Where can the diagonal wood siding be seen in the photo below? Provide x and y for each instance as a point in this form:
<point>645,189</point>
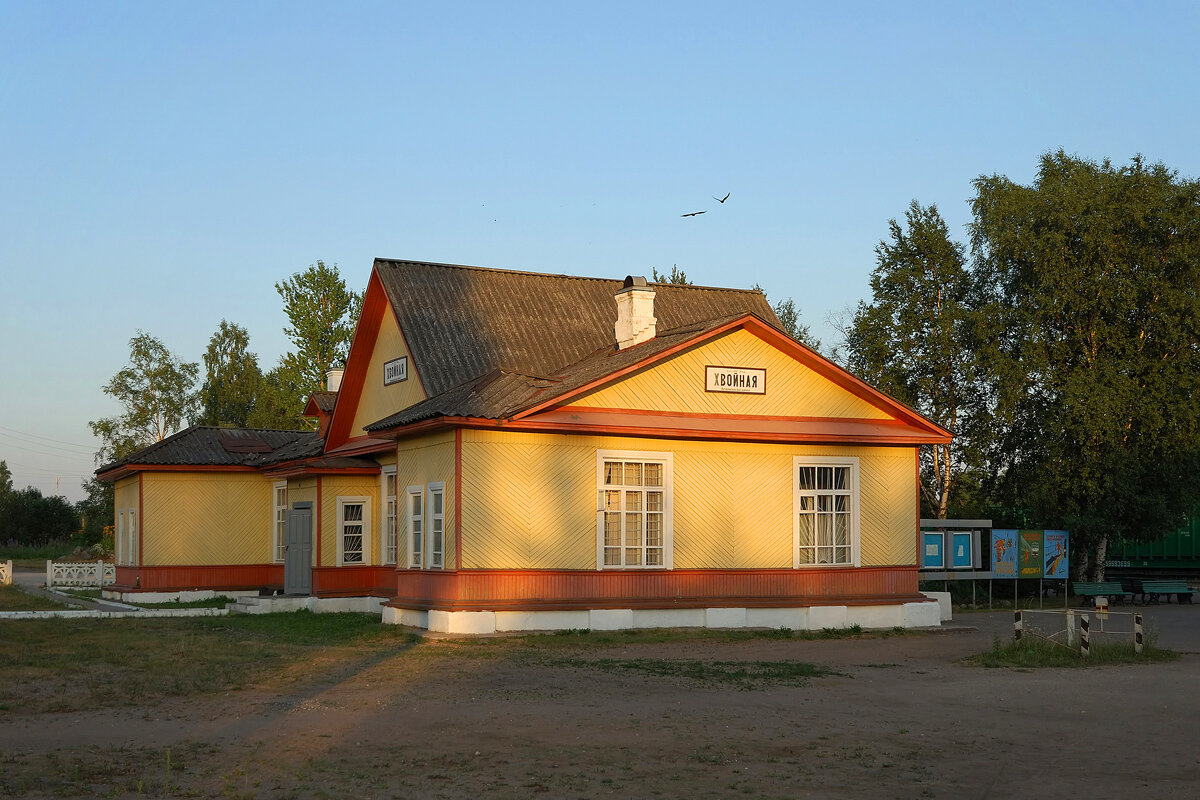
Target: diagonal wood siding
<point>419,462</point>
<point>206,518</point>
<point>529,501</point>
<point>378,401</point>
<point>677,384</point>
<point>333,487</point>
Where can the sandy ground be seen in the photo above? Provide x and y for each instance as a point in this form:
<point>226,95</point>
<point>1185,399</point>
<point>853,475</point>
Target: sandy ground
<point>903,718</point>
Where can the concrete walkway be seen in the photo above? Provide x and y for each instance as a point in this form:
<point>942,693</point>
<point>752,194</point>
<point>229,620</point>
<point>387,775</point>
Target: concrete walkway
<point>33,581</point>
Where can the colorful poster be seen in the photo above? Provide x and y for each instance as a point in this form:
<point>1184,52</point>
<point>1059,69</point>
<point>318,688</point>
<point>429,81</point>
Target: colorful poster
<point>1056,553</point>
<point>1004,553</point>
<point>1029,545</point>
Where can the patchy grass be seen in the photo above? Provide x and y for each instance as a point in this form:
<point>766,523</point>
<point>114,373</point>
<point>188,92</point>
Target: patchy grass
<point>212,602</point>
<point>34,557</point>
<point>582,637</point>
<point>739,674</point>
<point>1032,652</point>
<point>12,598</point>
<point>66,665</point>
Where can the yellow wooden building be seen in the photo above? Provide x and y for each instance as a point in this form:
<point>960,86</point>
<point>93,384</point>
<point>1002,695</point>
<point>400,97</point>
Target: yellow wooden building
<point>519,451</point>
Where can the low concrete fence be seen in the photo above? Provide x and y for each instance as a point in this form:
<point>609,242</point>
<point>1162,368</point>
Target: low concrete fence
<point>5,573</point>
<point>79,573</point>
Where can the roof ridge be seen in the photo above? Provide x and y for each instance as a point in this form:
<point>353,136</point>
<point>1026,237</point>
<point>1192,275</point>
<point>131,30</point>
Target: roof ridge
<point>559,275</point>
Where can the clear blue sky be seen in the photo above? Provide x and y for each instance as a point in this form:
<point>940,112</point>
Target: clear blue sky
<point>162,165</point>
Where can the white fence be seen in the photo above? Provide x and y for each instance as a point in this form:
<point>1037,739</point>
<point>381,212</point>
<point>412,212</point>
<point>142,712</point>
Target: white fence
<point>79,573</point>
<point>5,573</point>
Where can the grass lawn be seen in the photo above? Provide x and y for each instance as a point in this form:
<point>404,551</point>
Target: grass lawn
<point>1033,652</point>
<point>13,599</point>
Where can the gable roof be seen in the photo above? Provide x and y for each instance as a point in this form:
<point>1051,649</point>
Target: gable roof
<point>206,446</point>
<point>536,402</point>
<point>462,323</point>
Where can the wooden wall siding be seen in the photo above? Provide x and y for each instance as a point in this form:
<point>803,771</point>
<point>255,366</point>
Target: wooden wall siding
<point>125,497</point>
<point>214,576</point>
<point>378,401</point>
<point>529,501</point>
<point>677,384</point>
<point>420,462</point>
<point>206,518</point>
<point>353,581</point>
<point>562,589</point>
<point>333,487</point>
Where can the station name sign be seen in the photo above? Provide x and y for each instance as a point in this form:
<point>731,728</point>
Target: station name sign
<point>737,380</point>
<point>395,371</point>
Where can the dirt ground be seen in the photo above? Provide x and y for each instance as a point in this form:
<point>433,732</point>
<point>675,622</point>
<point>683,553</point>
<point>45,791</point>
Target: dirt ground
<point>901,718</point>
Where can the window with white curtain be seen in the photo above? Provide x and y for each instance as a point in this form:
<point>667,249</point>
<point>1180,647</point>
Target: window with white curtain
<point>825,511</point>
<point>634,514</point>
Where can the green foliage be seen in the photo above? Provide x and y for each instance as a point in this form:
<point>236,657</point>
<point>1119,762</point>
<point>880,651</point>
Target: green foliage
<point>157,394</point>
<point>232,378</point>
<point>1032,652</point>
<point>5,480</point>
<point>914,341</point>
<point>96,512</point>
<point>1089,321</point>
<point>322,314</point>
<point>29,518</point>
<point>279,403</point>
<point>677,276</point>
<point>789,317</point>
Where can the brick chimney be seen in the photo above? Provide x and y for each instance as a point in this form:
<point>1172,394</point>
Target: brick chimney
<point>635,313</point>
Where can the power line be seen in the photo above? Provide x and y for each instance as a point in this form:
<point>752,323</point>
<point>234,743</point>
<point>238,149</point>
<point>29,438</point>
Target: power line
<point>46,438</point>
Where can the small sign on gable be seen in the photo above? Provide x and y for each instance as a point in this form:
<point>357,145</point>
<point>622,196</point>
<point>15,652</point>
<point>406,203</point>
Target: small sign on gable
<point>395,371</point>
<point>737,380</point>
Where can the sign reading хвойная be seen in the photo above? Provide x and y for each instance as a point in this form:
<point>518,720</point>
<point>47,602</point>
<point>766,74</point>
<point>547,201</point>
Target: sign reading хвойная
<point>738,380</point>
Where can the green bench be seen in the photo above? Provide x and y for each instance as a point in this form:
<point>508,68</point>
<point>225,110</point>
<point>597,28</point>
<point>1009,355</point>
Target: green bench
<point>1155,589</point>
<point>1094,589</point>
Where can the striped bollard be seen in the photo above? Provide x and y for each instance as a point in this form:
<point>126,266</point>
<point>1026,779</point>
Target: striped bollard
<point>1070,627</point>
<point>1085,635</point>
<point>1138,642</point>
<point>1018,625</point>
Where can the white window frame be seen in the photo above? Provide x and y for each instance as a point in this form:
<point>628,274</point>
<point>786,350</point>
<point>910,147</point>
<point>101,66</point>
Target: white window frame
<point>415,540</point>
<point>131,528</point>
<point>435,525</point>
<point>667,459</point>
<point>365,524</point>
<point>852,493</point>
<point>278,521</point>
<point>389,530</point>
<point>121,545</point>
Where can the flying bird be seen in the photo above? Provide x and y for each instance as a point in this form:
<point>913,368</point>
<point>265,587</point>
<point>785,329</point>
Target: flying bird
<point>694,214</point>
<point>722,200</point>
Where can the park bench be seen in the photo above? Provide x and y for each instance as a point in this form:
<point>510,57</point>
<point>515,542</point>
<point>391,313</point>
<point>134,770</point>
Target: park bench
<point>1155,589</point>
<point>1094,589</point>
<point>1134,587</point>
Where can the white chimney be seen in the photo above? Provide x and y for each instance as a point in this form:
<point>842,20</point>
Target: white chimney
<point>333,380</point>
<point>635,313</point>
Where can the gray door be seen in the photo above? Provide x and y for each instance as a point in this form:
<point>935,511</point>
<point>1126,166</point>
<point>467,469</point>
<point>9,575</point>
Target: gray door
<point>297,557</point>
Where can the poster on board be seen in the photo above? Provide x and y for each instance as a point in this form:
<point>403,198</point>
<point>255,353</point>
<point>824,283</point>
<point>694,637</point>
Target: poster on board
<point>1056,549</point>
<point>1029,546</point>
<point>1004,553</point>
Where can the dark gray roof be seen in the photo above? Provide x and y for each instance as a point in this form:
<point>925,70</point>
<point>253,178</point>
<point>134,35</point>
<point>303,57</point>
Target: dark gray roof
<point>324,400</point>
<point>202,445</point>
<point>502,393</point>
<point>462,323</point>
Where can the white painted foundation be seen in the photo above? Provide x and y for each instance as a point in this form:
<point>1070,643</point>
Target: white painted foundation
<point>907,615</point>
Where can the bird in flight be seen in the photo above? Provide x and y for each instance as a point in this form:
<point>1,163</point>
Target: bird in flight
<point>694,214</point>
<point>722,200</point>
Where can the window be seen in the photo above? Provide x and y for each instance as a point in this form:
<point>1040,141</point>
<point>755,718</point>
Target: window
<point>416,526</point>
<point>825,510</point>
<point>388,535</point>
<point>131,530</point>
<point>354,524</point>
<point>121,545</point>
<point>634,525</point>
<point>279,523</point>
<point>437,525</point>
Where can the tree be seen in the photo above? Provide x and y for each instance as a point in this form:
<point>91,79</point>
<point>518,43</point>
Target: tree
<point>913,339</point>
<point>157,393</point>
<point>96,511</point>
<point>322,313</point>
<point>789,317</point>
<point>5,480</point>
<point>30,519</point>
<point>232,377</point>
<point>277,404</point>
<point>677,276</point>
<point>1089,293</point>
